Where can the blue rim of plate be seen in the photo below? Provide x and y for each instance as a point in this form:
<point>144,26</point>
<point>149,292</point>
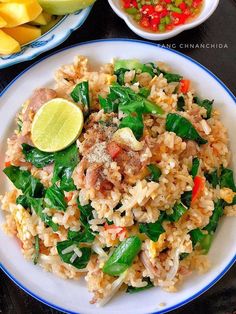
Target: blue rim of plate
<point>22,58</point>
<point>230,264</point>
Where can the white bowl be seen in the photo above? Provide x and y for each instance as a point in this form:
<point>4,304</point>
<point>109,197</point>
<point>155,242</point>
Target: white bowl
<point>208,8</point>
<point>72,296</point>
<point>54,37</point>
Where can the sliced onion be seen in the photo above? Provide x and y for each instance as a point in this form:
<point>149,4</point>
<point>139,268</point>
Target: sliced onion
<point>115,286</point>
<point>97,249</point>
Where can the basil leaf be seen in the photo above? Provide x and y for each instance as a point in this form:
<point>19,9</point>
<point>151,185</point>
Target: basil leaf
<point>144,92</point>
<point>155,173</point>
<point>227,179</point>
<point>55,198</point>
<point>85,213</point>
<point>37,157</point>
<point>171,77</point>
<point>36,247</point>
<point>84,236</point>
<point>65,162</point>
<point>107,105</point>
<point>135,123</point>
<point>178,211</point>
<point>37,206</point>
<point>180,103</point>
<point>131,289</point>
<point>153,230</point>
<point>23,201</point>
<point>79,262</point>
<point>186,198</point>
<point>214,219</point>
<point>123,256</point>
<point>195,167</point>
<point>120,73</point>
<point>212,178</point>
<point>207,104</point>
<point>81,94</point>
<point>24,181</point>
<point>183,128</point>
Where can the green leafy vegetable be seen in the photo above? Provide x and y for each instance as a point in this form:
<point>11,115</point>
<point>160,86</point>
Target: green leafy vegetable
<point>196,236</point>
<point>36,247</point>
<point>129,64</point>
<point>227,179</point>
<point>81,94</point>
<point>214,219</point>
<point>183,128</point>
<point>204,240</point>
<point>135,123</point>
<point>207,104</point>
<point>55,198</point>
<point>23,201</point>
<point>178,210</point>
<point>153,230</point>
<point>24,181</point>
<point>37,206</point>
<point>195,167</point>
<point>79,262</point>
<point>155,173</point>
<point>84,236</point>
<point>186,198</point>
<point>131,289</point>
<point>65,162</point>
<point>123,256</point>
<point>108,105</point>
<point>180,103</point>
<point>213,178</point>
<point>85,213</point>
<point>37,157</point>
<point>144,92</point>
<point>120,73</point>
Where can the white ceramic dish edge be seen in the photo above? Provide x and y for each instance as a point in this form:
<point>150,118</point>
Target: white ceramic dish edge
<point>51,39</point>
<point>221,271</point>
<point>208,9</point>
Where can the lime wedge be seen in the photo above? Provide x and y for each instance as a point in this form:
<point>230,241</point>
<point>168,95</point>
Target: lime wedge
<point>62,7</point>
<point>56,125</point>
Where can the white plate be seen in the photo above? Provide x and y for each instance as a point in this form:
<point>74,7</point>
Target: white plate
<point>71,296</point>
<point>208,9</point>
<point>54,37</point>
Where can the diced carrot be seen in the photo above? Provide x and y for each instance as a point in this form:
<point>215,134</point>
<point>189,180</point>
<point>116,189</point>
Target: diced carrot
<point>184,86</point>
<point>7,164</point>
<point>113,149</point>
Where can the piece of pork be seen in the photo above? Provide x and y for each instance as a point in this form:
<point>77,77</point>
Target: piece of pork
<point>39,98</point>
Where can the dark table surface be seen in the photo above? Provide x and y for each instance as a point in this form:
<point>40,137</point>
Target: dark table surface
<point>213,44</point>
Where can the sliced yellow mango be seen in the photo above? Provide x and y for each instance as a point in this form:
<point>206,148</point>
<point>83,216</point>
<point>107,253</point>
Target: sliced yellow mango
<point>43,19</point>
<point>8,44</point>
<point>23,33</point>
<point>19,12</point>
<point>2,22</point>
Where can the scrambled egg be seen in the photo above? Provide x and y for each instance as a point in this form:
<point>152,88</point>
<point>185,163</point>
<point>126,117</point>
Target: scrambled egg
<point>21,216</point>
<point>227,195</point>
<point>156,247</point>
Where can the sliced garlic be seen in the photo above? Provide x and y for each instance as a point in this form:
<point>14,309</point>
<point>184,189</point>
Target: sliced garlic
<point>125,136</point>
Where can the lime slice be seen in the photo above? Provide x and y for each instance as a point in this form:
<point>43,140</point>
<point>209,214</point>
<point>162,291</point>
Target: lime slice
<point>56,125</point>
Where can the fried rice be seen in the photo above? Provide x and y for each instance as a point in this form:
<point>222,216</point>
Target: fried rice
<point>120,191</point>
